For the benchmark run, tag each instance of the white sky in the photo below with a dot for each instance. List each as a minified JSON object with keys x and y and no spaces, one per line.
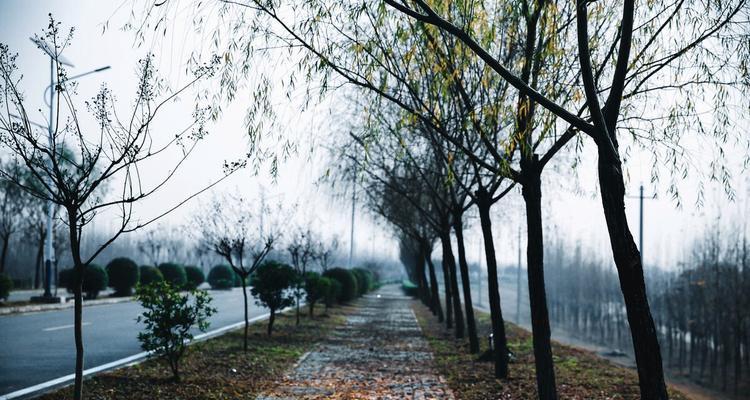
{"x":573,"y":209}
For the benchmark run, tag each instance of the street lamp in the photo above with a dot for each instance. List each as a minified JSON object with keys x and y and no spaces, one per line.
{"x":49,"y":249}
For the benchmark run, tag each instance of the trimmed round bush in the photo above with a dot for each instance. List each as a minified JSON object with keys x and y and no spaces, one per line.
{"x":150,"y":275}
{"x":123,"y":275}
{"x":174,"y":274}
{"x":364,"y":280}
{"x":65,"y":279}
{"x":6,"y":285}
{"x":194,"y":277}
{"x":221,"y":277}
{"x":333,"y":293}
{"x":238,"y":279}
{"x":348,"y":283}
{"x":95,"y":280}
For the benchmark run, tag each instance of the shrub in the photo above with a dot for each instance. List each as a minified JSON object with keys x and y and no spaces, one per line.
{"x":364,"y":280}
{"x":94,"y":280}
{"x":150,"y":275}
{"x":65,"y":278}
{"x":6,"y":285}
{"x":169,"y":317}
{"x":221,"y":277}
{"x":316,"y":288}
{"x":174,"y":274}
{"x":348,"y":283}
{"x":237,"y":279}
{"x":123,"y":275}
{"x":333,"y":293}
{"x":270,"y":285}
{"x":194,"y":277}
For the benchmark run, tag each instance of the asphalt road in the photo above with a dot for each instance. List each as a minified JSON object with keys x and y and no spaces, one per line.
{"x":38,"y":347}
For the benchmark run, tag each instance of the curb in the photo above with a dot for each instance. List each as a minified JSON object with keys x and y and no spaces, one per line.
{"x":60,"y":306}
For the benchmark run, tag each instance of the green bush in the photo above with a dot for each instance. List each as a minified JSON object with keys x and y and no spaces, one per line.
{"x":348,"y":283}
{"x":174,"y":274}
{"x":221,"y":277}
{"x":271,"y":286}
{"x":237,"y":279}
{"x":150,"y":275}
{"x":365,"y":280}
{"x":123,"y":275}
{"x":194,"y":277}
{"x":64,"y":279}
{"x":169,"y":317}
{"x":316,"y":288}
{"x":333,"y":291}
{"x":6,"y":285}
{"x":94,"y":280}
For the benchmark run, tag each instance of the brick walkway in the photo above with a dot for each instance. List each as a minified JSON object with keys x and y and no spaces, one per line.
{"x":379,"y":353}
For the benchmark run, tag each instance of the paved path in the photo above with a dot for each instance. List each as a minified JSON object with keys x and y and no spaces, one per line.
{"x":38,"y":347}
{"x":379,"y":353}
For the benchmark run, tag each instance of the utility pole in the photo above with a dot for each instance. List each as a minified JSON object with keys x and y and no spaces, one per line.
{"x":640,"y":228}
{"x":49,"y":249}
{"x":354,"y":202}
{"x":640,"y":198}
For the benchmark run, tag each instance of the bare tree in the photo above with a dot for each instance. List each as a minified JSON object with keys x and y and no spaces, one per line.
{"x":301,"y":249}
{"x":111,"y":152}
{"x":231,"y":228}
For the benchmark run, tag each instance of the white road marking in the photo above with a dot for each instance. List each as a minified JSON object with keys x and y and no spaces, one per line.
{"x":57,"y":328}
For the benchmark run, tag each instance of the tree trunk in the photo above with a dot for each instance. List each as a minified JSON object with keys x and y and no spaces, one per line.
{"x":78,"y":270}
{"x":271,"y":319}
{"x":434,"y":289}
{"x":496,"y":312}
{"x":247,"y":321}
{"x":628,"y":261}
{"x":4,"y":254}
{"x":466,"y":283}
{"x":449,"y":262}
{"x":448,"y":295}
{"x":545,"y":373}
{"x":39,"y":260}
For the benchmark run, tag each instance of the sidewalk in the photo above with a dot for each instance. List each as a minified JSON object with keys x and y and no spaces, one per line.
{"x":379,"y":353}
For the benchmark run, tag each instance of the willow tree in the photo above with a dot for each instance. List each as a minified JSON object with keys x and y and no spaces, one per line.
{"x":109,"y":149}
{"x":644,"y":55}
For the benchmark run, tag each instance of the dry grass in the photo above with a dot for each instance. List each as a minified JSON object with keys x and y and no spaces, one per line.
{"x":217,"y":368}
{"x":580,"y":374}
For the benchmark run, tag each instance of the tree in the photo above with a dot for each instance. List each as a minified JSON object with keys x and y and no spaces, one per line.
{"x":272,"y":285}
{"x":301,"y":249}
{"x":228,"y":227}
{"x":109,"y":153}
{"x":169,"y":317}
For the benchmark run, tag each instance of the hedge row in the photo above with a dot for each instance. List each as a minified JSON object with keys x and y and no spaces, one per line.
{"x":123,"y":274}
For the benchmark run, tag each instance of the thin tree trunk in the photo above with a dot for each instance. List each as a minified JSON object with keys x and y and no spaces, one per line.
{"x":496,"y":312}
{"x":466,"y":283}
{"x":247,"y":321}
{"x":450,"y":262}
{"x":545,"y":372}
{"x":628,"y":261}
{"x":75,"y":247}
{"x":448,"y":295}
{"x":4,"y":254}
{"x":39,"y":259}
{"x":435,"y":289}
{"x":271,"y":319}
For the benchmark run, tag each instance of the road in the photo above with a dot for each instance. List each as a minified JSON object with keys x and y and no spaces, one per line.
{"x":38,"y":347}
